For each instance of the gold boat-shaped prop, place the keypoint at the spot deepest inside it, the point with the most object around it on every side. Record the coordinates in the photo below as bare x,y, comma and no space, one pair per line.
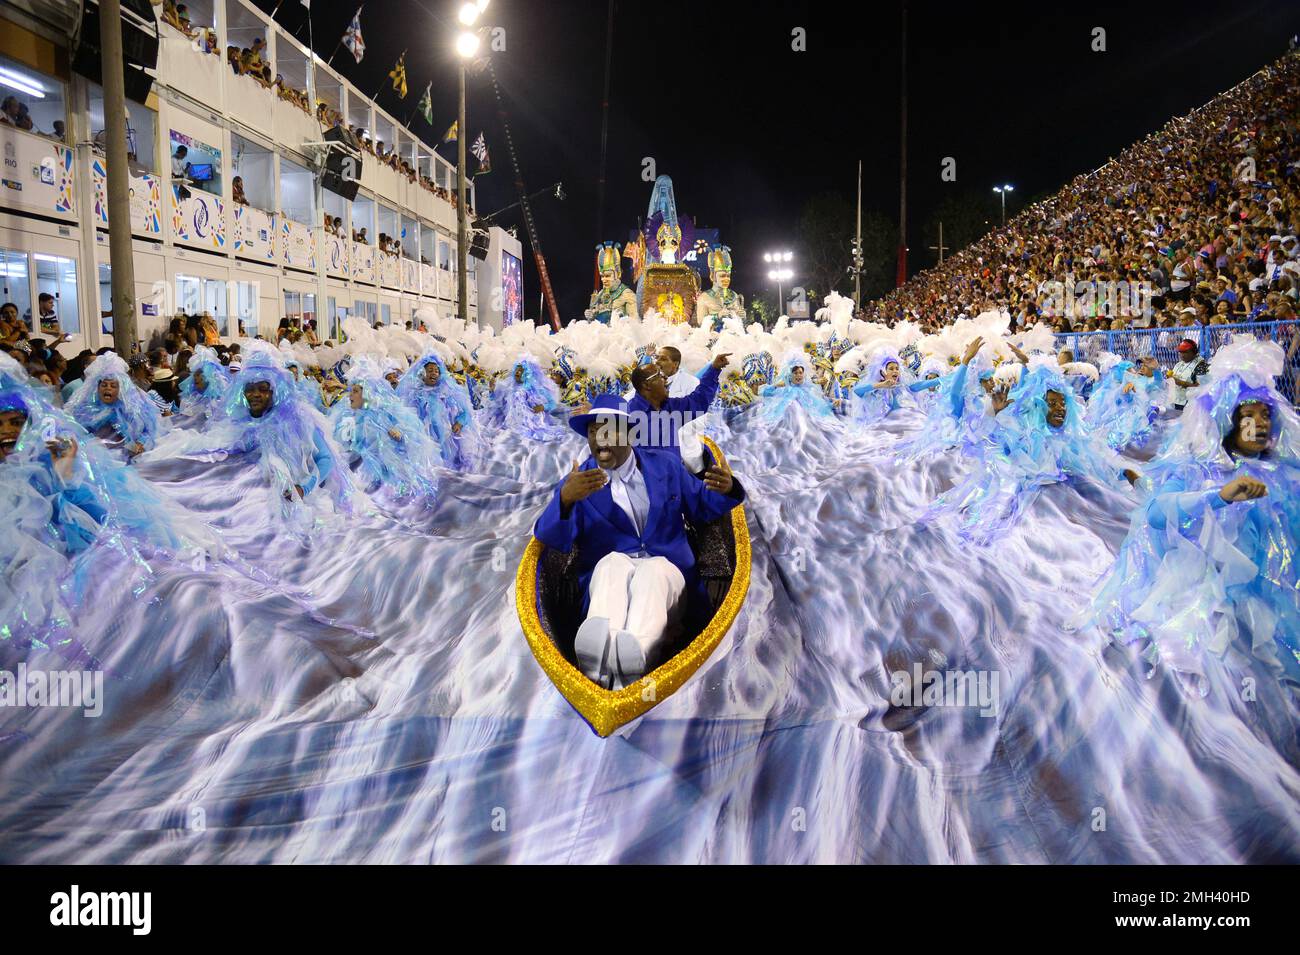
549,603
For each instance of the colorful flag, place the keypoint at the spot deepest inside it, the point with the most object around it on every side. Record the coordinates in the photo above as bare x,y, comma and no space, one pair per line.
452,132
352,37
480,151
398,75
426,104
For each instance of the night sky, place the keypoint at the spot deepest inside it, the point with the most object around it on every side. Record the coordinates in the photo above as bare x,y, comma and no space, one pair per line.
749,130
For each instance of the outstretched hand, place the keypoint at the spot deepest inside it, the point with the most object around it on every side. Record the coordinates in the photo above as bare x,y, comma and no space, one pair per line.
721,361
972,349
581,484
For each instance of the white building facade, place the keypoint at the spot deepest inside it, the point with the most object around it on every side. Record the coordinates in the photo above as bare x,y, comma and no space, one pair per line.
250,264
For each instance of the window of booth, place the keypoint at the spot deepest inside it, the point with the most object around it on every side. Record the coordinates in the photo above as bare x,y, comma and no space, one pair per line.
196,19
195,164
196,296
386,314
329,98
246,295
105,285
366,310
141,132
32,101
56,294
15,287
299,307
363,220
297,192
252,171
291,75
246,45
387,226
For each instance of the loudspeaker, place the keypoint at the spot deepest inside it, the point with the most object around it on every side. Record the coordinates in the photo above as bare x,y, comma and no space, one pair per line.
342,173
335,183
340,134
479,241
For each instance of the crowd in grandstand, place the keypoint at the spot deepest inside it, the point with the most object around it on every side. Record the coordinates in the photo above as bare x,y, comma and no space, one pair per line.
1203,214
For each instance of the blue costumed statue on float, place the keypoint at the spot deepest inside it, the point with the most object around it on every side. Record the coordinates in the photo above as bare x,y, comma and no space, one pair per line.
720,302
667,285
612,296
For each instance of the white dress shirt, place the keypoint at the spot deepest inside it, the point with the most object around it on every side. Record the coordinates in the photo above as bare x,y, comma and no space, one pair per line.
682,384
627,487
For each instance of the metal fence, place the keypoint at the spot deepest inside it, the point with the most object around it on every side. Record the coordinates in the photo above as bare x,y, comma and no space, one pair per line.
1162,344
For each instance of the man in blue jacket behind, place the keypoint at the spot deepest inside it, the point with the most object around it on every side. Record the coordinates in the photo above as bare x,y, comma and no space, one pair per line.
625,511
662,415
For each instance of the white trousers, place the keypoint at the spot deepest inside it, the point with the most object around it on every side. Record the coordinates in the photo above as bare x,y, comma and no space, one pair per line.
642,595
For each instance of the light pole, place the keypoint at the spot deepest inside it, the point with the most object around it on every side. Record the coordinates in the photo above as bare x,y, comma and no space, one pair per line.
1002,191
466,46
779,275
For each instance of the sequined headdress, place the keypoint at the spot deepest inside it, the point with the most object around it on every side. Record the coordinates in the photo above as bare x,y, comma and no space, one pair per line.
608,258
720,259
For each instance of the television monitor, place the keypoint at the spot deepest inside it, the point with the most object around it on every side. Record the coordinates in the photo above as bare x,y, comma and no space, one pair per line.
201,172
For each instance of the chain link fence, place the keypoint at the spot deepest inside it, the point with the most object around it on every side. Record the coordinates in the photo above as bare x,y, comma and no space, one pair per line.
1162,344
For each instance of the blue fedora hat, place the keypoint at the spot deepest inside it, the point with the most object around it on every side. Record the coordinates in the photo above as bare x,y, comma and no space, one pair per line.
605,406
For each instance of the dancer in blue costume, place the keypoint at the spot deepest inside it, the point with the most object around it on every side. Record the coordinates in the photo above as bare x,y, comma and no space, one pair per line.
204,391
1040,439
525,402
793,386
1212,561
960,411
305,384
1126,402
384,436
267,418
444,407
879,392
110,406
929,382
68,500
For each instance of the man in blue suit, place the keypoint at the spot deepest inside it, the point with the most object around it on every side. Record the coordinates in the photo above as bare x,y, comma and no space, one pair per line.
625,510
660,414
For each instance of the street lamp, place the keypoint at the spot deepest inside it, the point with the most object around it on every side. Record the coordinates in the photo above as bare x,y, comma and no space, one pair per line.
466,47
779,275
1003,190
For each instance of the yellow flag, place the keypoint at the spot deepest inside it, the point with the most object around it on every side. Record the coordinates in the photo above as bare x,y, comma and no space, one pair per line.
398,75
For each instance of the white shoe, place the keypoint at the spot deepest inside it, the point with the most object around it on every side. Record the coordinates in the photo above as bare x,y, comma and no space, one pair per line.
589,647
627,658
